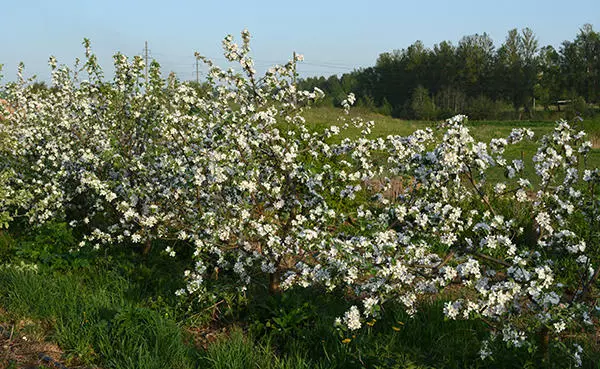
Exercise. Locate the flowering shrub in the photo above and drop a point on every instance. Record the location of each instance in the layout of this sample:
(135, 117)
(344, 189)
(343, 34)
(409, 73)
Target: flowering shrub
(240, 178)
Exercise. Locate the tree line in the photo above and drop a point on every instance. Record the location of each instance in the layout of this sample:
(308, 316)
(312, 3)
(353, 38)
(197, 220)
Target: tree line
(519, 79)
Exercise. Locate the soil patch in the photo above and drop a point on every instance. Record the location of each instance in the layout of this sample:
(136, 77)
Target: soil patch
(22, 347)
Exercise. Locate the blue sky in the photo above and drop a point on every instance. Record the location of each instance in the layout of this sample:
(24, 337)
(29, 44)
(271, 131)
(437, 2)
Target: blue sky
(334, 36)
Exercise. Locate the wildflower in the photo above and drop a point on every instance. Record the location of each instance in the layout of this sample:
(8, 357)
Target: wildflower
(485, 350)
(451, 309)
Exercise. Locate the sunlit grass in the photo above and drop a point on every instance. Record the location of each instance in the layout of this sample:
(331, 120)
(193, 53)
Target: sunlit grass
(322, 117)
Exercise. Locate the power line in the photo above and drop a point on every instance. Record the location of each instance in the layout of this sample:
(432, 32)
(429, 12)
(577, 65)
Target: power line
(173, 59)
(177, 61)
(329, 65)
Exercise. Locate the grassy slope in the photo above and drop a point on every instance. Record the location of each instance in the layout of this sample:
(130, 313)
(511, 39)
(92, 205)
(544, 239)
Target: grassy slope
(320, 118)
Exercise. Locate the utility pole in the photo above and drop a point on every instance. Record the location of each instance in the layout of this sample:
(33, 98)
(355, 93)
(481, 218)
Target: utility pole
(197, 72)
(294, 76)
(294, 59)
(146, 59)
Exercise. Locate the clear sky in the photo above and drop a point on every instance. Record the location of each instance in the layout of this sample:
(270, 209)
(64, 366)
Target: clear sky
(334, 36)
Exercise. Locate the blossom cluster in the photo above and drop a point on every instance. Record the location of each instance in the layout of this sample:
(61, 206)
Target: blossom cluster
(237, 175)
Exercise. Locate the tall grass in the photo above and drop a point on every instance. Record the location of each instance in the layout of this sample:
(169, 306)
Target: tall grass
(93, 319)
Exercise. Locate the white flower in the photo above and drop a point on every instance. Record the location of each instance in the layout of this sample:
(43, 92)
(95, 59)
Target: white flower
(485, 350)
(559, 326)
(452, 309)
(543, 220)
(577, 355)
(369, 303)
(337, 322)
(521, 195)
(352, 318)
(587, 319)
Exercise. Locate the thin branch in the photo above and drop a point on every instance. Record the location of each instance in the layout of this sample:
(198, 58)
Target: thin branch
(492, 259)
(481, 195)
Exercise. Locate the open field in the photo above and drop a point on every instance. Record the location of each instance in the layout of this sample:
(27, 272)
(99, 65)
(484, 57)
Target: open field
(321, 118)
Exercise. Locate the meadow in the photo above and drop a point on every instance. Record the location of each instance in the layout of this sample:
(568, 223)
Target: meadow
(484, 130)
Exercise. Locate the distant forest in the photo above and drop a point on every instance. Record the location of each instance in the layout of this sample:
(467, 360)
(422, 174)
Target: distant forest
(519, 80)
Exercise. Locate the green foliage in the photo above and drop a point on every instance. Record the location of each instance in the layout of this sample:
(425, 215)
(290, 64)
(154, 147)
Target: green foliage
(516, 72)
(450, 101)
(517, 67)
(482, 107)
(422, 105)
(239, 351)
(53, 244)
(577, 108)
(140, 338)
(202, 89)
(287, 315)
(385, 108)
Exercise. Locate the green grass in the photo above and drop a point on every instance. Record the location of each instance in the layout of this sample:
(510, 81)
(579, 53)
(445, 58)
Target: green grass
(323, 117)
(92, 317)
(238, 351)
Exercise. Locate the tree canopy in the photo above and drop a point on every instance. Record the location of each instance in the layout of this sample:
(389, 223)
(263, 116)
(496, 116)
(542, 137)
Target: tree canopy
(474, 76)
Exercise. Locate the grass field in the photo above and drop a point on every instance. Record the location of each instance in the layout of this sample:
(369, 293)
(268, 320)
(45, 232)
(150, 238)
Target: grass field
(320, 118)
(118, 309)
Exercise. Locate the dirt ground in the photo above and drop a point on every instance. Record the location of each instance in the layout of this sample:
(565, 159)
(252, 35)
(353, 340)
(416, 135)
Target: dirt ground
(22, 345)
